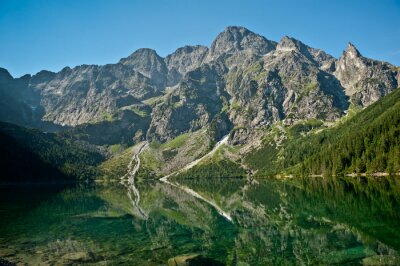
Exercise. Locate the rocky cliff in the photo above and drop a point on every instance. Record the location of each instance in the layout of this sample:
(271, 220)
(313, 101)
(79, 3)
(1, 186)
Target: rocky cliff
(365, 80)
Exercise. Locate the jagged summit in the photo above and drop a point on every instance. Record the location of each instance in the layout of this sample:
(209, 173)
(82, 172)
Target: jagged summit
(288, 43)
(234, 39)
(351, 51)
(138, 55)
(237, 28)
(316, 56)
(147, 62)
(236, 31)
(4, 74)
(188, 49)
(42, 77)
(366, 80)
(184, 59)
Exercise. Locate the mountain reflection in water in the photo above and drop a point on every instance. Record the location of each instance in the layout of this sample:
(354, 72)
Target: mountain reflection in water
(288, 222)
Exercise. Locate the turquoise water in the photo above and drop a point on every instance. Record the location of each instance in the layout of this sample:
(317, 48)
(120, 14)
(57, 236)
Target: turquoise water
(315, 221)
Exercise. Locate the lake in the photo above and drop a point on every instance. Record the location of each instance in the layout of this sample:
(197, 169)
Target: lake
(313, 221)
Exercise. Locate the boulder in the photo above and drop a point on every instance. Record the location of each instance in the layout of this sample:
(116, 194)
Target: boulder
(192, 260)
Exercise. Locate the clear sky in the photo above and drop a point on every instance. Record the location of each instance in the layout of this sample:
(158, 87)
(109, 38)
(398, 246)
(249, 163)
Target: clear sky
(52, 34)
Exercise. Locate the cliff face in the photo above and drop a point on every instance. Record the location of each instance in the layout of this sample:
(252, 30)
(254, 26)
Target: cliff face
(195, 101)
(183, 60)
(242, 81)
(366, 80)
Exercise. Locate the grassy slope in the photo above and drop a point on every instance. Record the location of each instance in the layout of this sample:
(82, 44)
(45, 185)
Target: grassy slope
(161, 159)
(116, 166)
(158, 159)
(224, 163)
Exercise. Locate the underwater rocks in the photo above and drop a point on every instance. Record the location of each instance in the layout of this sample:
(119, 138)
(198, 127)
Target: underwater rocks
(192, 260)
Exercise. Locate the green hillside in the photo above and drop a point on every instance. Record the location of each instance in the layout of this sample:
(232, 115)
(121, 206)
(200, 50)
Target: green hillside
(31, 155)
(368, 142)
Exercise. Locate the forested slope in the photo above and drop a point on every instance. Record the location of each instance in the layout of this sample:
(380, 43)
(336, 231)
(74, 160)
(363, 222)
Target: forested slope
(368, 142)
(31, 155)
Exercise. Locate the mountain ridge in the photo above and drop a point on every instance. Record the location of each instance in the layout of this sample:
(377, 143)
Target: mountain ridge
(182, 48)
(243, 77)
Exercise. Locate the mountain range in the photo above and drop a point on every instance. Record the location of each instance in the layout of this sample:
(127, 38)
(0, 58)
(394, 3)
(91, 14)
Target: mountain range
(244, 85)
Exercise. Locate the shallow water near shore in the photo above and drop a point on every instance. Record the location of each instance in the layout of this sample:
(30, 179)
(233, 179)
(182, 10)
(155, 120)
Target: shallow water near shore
(318, 221)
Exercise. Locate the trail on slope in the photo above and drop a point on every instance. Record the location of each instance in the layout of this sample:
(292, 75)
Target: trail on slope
(132, 189)
(190, 191)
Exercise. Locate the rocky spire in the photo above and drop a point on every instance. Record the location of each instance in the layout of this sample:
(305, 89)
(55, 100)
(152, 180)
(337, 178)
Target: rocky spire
(351, 51)
(365, 80)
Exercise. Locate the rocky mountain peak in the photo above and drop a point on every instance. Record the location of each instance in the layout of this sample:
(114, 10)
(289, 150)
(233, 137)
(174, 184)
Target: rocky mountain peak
(187, 49)
(237, 31)
(148, 63)
(288, 44)
(140, 55)
(41, 77)
(365, 80)
(235, 39)
(351, 51)
(4, 74)
(184, 59)
(318, 57)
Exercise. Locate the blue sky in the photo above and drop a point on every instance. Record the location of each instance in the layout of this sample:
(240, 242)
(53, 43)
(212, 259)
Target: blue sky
(39, 34)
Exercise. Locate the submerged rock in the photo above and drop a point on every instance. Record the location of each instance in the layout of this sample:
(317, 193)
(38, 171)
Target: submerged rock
(381, 260)
(347, 255)
(7, 252)
(192, 260)
(80, 256)
(4, 262)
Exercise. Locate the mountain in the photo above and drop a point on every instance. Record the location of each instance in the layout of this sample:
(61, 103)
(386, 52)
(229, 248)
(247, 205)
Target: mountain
(243, 85)
(15, 99)
(280, 77)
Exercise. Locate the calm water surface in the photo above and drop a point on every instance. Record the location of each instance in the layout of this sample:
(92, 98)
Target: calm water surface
(317, 221)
